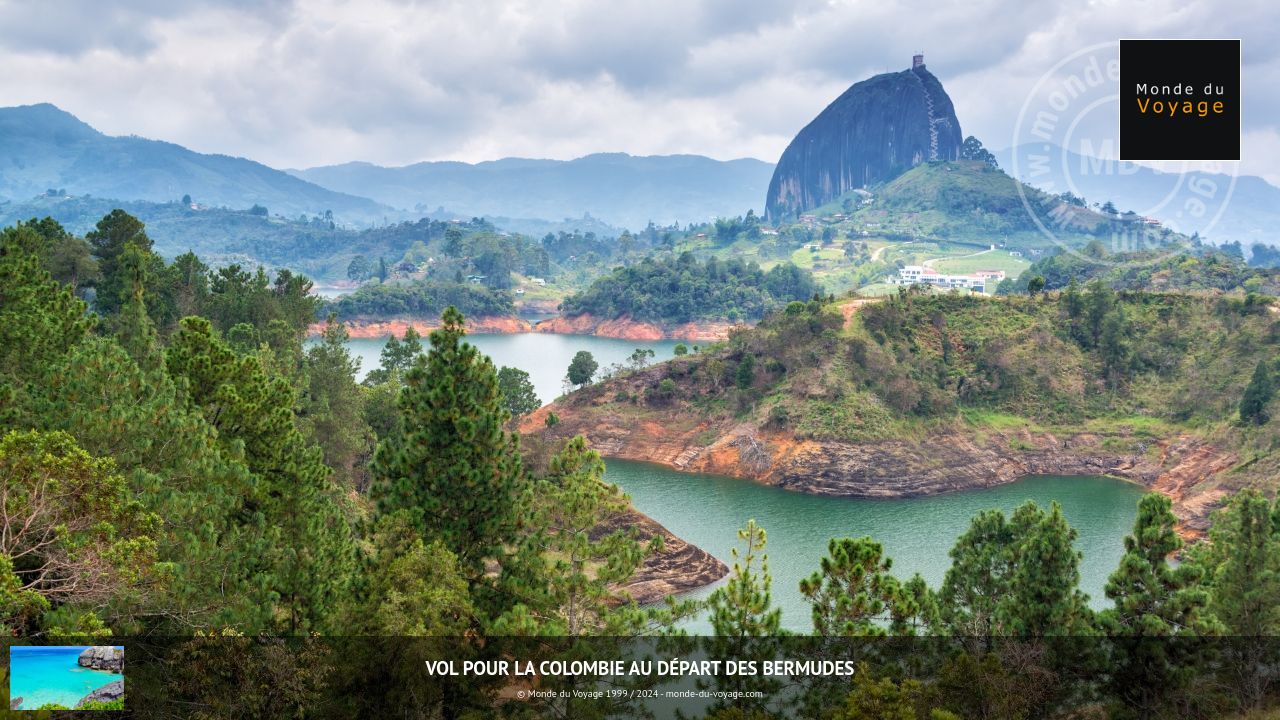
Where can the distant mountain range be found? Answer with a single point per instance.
(43, 148)
(1252, 214)
(619, 189)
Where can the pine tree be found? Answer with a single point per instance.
(582, 568)
(1153, 602)
(745, 374)
(40, 321)
(1043, 598)
(311, 566)
(212, 547)
(1246, 575)
(133, 326)
(1257, 395)
(332, 409)
(1113, 346)
(743, 606)
(398, 355)
(109, 240)
(744, 622)
(1151, 598)
(408, 588)
(1242, 566)
(1099, 301)
(452, 467)
(982, 565)
(189, 279)
(1015, 576)
(854, 594)
(1071, 300)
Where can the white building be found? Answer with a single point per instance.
(981, 281)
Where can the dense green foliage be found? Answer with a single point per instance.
(422, 298)
(453, 470)
(178, 462)
(582, 368)
(73, 535)
(1190, 268)
(973, 201)
(1063, 358)
(1257, 395)
(682, 289)
(853, 593)
(518, 395)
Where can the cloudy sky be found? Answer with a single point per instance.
(298, 83)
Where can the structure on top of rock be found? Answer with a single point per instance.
(875, 131)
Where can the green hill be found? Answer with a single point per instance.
(922, 393)
(1197, 268)
(973, 203)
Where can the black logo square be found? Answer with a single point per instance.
(1180, 99)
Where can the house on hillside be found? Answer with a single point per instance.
(978, 281)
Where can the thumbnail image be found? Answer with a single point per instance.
(76, 677)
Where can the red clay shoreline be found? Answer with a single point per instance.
(622, 328)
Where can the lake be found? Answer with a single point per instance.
(544, 356)
(708, 510)
(917, 533)
(331, 293)
(41, 675)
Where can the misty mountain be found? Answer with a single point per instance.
(43, 147)
(616, 188)
(1252, 214)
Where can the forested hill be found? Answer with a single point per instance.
(424, 299)
(1066, 357)
(321, 248)
(683, 289)
(46, 147)
(1198, 267)
(924, 393)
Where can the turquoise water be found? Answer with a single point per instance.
(544, 356)
(708, 510)
(41, 675)
(917, 533)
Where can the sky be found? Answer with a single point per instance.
(301, 83)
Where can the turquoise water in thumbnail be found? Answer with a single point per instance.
(41, 675)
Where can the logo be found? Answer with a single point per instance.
(1180, 99)
(1066, 144)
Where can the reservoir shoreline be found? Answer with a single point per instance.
(944, 461)
(584, 325)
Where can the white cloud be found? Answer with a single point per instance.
(312, 82)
